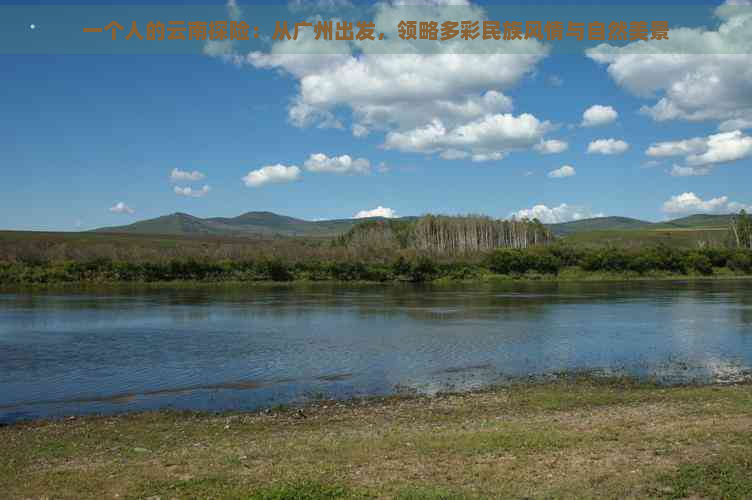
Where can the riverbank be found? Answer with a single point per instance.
(555, 262)
(567, 276)
(572, 438)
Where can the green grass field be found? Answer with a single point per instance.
(683, 238)
(570, 439)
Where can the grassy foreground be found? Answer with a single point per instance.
(615, 439)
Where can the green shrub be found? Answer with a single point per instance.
(424, 270)
(741, 261)
(699, 263)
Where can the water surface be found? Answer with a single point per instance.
(115, 350)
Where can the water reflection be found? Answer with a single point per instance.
(232, 347)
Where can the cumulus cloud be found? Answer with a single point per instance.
(402, 90)
(490, 136)
(690, 203)
(271, 174)
(380, 87)
(190, 192)
(607, 147)
(706, 151)
(564, 171)
(178, 175)
(677, 148)
(698, 74)
(319, 162)
(379, 211)
(598, 115)
(553, 215)
(121, 208)
(551, 146)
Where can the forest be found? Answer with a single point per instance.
(429, 248)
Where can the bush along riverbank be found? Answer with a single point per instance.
(550, 262)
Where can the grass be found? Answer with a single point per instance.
(679, 238)
(572, 438)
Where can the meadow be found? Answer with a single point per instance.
(571, 438)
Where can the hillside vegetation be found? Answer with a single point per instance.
(250, 224)
(255, 224)
(425, 249)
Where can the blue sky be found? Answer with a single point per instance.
(91, 140)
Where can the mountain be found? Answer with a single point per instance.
(256, 224)
(597, 224)
(699, 221)
(250, 224)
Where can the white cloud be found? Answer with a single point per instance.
(677, 148)
(698, 74)
(272, 174)
(553, 215)
(224, 48)
(178, 175)
(492, 135)
(383, 86)
(484, 157)
(318, 5)
(552, 146)
(598, 115)
(735, 124)
(453, 154)
(706, 151)
(564, 171)
(680, 171)
(233, 10)
(722, 148)
(402, 90)
(217, 48)
(379, 211)
(121, 208)
(193, 193)
(690, 203)
(319, 162)
(607, 146)
(359, 130)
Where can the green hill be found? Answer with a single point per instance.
(268, 224)
(598, 224)
(699, 221)
(250, 224)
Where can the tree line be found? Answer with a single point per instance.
(740, 230)
(533, 262)
(424, 249)
(449, 235)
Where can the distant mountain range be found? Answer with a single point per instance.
(250, 224)
(699, 221)
(266, 224)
